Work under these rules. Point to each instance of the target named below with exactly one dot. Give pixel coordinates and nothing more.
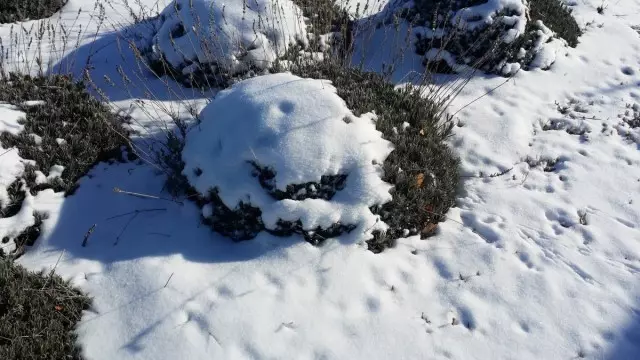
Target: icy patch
(228, 37)
(302, 131)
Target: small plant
(458, 31)
(38, 314)
(22, 10)
(205, 43)
(422, 168)
(601, 8)
(73, 130)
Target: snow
(11, 164)
(10, 118)
(531, 264)
(11, 167)
(276, 121)
(228, 36)
(54, 172)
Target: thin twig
(53, 270)
(125, 228)
(135, 212)
(147, 196)
(86, 236)
(169, 279)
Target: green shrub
(423, 169)
(76, 130)
(483, 48)
(38, 314)
(21, 10)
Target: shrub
(22, 10)
(38, 314)
(73, 129)
(285, 155)
(501, 38)
(422, 168)
(203, 43)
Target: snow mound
(291, 148)
(227, 37)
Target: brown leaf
(58, 308)
(429, 229)
(419, 180)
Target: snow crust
(302, 130)
(230, 36)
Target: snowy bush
(204, 41)
(284, 154)
(53, 311)
(22, 10)
(65, 130)
(500, 36)
(422, 168)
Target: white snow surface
(11, 164)
(231, 35)
(532, 264)
(11, 167)
(300, 129)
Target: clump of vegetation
(22, 10)
(484, 47)
(422, 167)
(73, 129)
(556, 15)
(38, 314)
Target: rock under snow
(290, 147)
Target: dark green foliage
(16, 197)
(21, 10)
(420, 150)
(325, 189)
(316, 236)
(483, 48)
(29, 235)
(556, 16)
(242, 223)
(91, 132)
(325, 15)
(38, 314)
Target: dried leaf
(422, 132)
(429, 229)
(58, 308)
(419, 180)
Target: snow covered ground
(540, 260)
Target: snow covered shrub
(286, 155)
(204, 42)
(38, 314)
(22, 10)
(65, 131)
(500, 36)
(422, 169)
